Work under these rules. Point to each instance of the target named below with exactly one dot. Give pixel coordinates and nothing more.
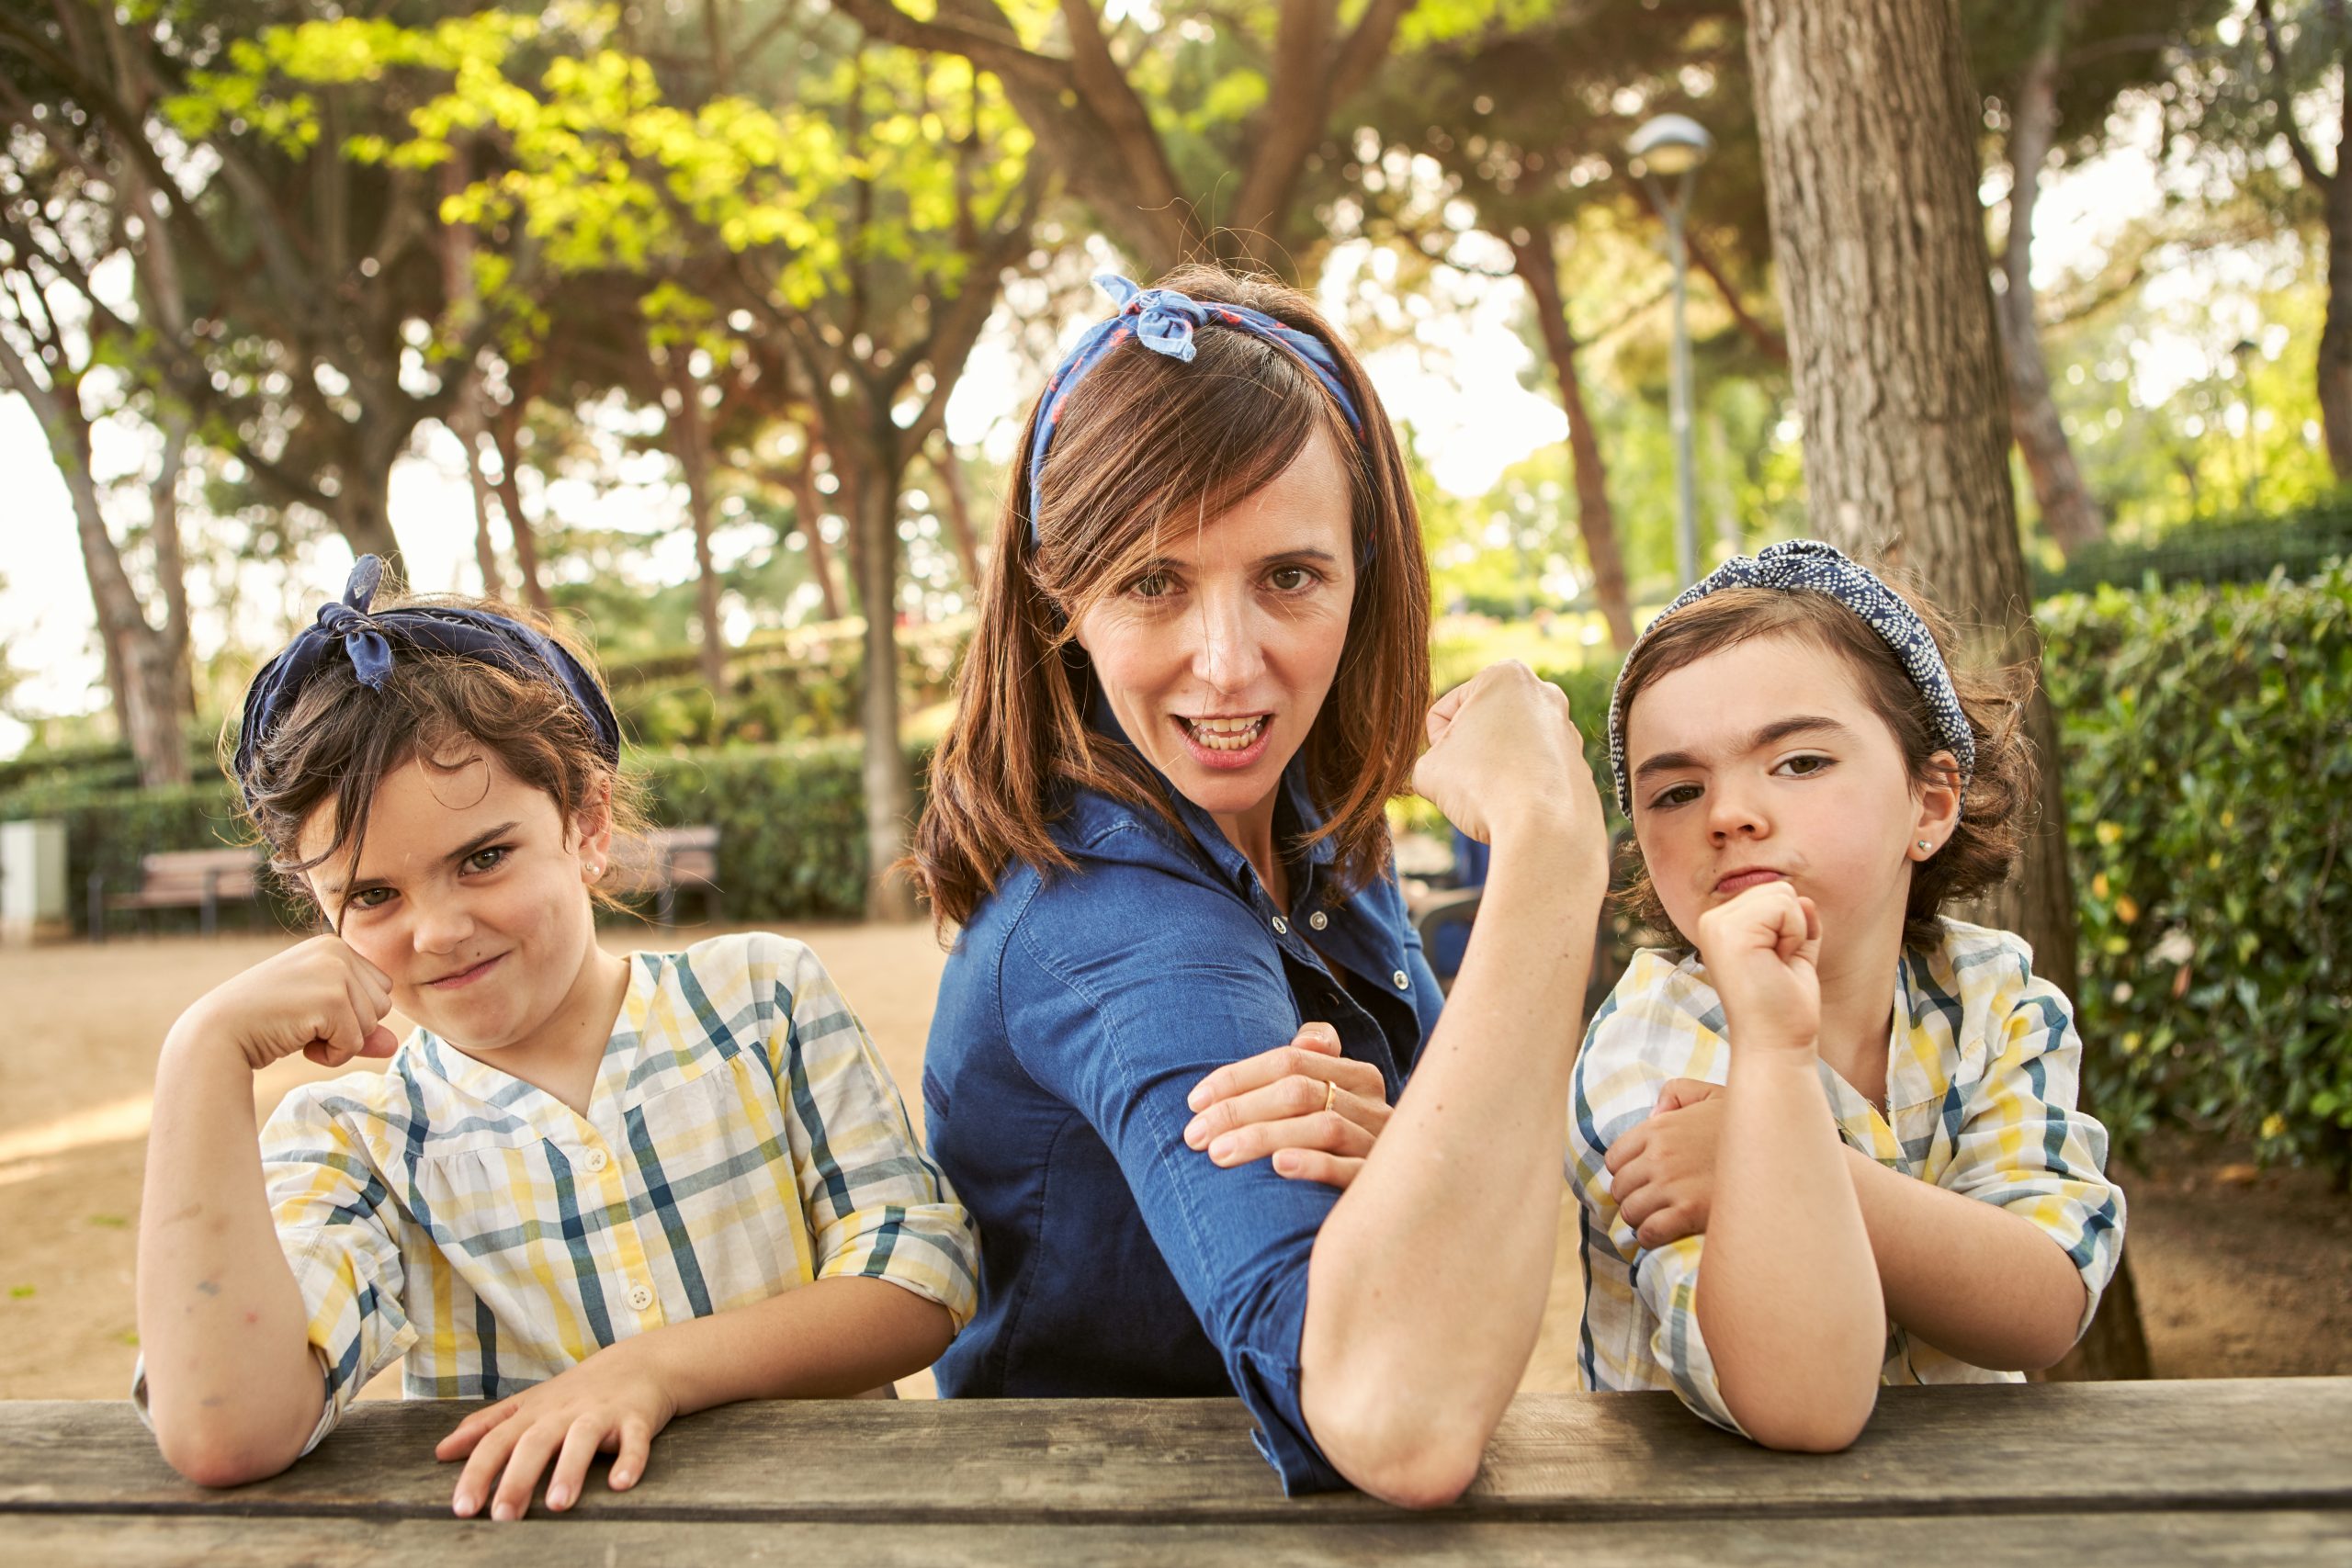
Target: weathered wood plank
(116, 1540)
(2096, 1447)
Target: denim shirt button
(1282, 927)
(1318, 920)
(1404, 981)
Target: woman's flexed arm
(1429, 1280)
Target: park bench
(181, 879)
(663, 861)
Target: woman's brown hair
(340, 739)
(1146, 444)
(1984, 844)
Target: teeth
(1227, 734)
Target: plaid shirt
(742, 1137)
(1982, 1067)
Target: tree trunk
(2067, 509)
(950, 469)
(171, 560)
(890, 794)
(1868, 122)
(807, 509)
(694, 457)
(363, 517)
(506, 429)
(1538, 267)
(2336, 331)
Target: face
(1217, 658)
(471, 895)
(1766, 763)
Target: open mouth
(1226, 734)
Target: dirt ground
(2239, 1273)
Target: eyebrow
(1304, 552)
(471, 847)
(1778, 730)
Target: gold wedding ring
(1330, 1093)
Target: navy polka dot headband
(1163, 321)
(1809, 565)
(368, 639)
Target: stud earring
(1925, 847)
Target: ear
(593, 829)
(1938, 807)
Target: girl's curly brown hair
(1984, 845)
(341, 739)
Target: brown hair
(341, 739)
(1984, 845)
(1146, 444)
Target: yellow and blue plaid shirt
(743, 1137)
(1983, 1063)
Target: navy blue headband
(1812, 566)
(369, 640)
(1163, 320)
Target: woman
(1201, 671)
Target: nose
(1733, 812)
(440, 924)
(1229, 643)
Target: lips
(465, 977)
(1226, 743)
(1740, 881)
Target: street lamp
(1669, 148)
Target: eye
(1803, 765)
(1293, 578)
(368, 898)
(1676, 795)
(487, 859)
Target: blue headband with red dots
(1163, 321)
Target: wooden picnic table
(2141, 1474)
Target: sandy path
(77, 1065)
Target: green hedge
(2209, 764)
(791, 823)
(2302, 543)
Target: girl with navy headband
(1859, 1112)
(598, 1190)
(1184, 997)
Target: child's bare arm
(1969, 1278)
(232, 1387)
(832, 1338)
(1788, 1297)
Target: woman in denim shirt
(1202, 669)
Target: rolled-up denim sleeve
(1121, 1021)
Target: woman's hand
(1761, 950)
(1504, 753)
(1312, 1110)
(318, 997)
(613, 1401)
(1663, 1172)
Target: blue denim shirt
(1076, 1015)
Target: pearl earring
(1925, 847)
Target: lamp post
(1667, 151)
